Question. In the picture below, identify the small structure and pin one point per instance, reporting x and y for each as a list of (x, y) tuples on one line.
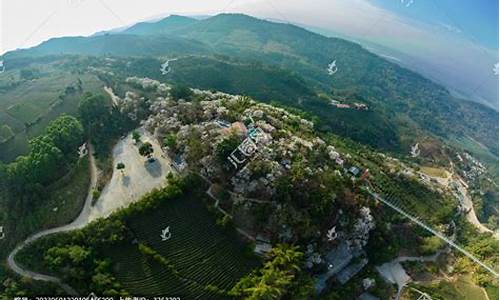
[(354, 171), (348, 272), (342, 105), (223, 123), (179, 163), (336, 259)]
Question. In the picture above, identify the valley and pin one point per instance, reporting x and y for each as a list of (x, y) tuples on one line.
[(237, 158)]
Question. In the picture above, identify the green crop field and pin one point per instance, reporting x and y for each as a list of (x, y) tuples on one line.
[(27, 113), (27, 106), (461, 289), (201, 252)]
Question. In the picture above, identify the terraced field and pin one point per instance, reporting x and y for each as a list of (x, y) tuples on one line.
[(202, 253), (27, 106), (430, 206)]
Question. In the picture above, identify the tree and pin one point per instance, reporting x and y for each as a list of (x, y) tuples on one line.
[(66, 132), (146, 149), (430, 245), (44, 158), (170, 141), (275, 279), (181, 92), (136, 136), (226, 146), (93, 110), (120, 166), (57, 257)]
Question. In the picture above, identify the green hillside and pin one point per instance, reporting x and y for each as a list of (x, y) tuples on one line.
[(114, 45), (401, 98), (28, 104), (166, 25), (199, 259)]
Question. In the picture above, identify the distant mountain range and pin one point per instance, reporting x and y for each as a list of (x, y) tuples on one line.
[(403, 105)]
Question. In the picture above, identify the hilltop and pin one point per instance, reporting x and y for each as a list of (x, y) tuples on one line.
[(258, 178), (410, 106)]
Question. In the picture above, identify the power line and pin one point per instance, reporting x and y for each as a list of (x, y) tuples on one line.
[(434, 232)]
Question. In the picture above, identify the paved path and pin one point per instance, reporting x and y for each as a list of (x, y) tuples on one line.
[(138, 178), (73, 225), (466, 202), (434, 232)]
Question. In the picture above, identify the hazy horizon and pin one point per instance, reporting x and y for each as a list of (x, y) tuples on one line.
[(441, 44)]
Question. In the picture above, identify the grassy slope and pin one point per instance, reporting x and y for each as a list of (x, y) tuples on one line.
[(68, 195), (198, 249), (406, 104), (462, 289), (400, 95), (202, 253), (37, 102)]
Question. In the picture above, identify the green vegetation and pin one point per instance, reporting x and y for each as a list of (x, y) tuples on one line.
[(51, 155), (170, 141), (275, 63), (181, 92), (416, 198), (33, 182), (120, 166), (75, 258), (276, 279), (146, 149), (136, 136), (103, 123), (61, 203), (461, 289), (484, 247), (272, 61), (199, 260), (28, 106), (435, 172), (401, 98)]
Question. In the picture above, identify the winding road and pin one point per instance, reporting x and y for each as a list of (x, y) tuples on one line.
[(141, 177), (76, 224)]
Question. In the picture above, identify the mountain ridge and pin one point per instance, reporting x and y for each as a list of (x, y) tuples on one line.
[(405, 98)]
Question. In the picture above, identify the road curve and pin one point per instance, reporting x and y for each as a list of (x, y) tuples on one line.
[(76, 224), (119, 192)]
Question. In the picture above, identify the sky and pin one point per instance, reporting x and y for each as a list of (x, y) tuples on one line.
[(453, 42)]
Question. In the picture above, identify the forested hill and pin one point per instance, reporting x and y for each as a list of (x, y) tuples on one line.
[(163, 26), (410, 104)]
